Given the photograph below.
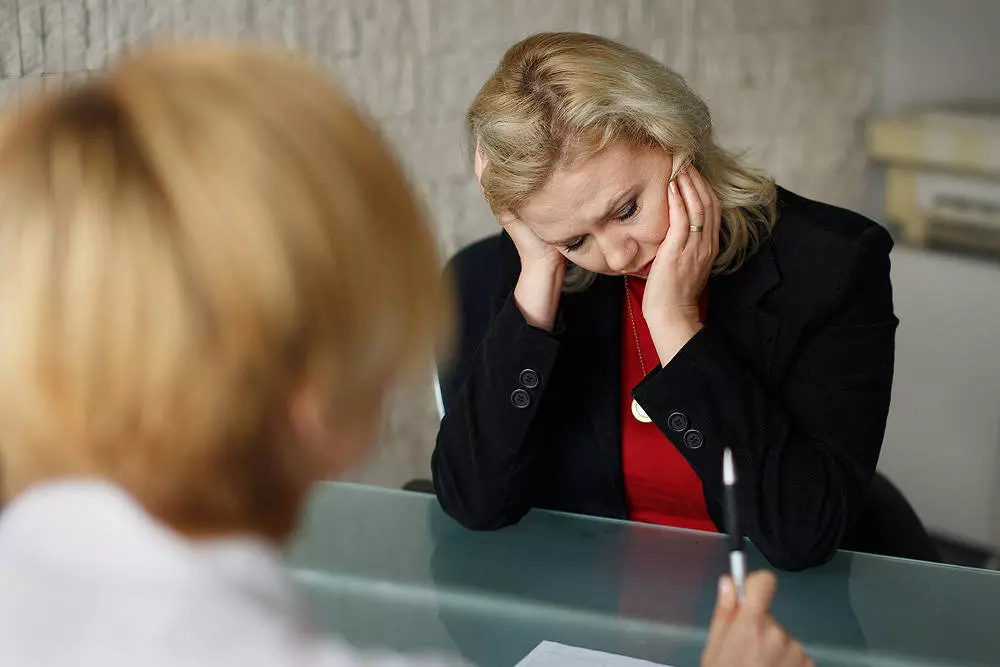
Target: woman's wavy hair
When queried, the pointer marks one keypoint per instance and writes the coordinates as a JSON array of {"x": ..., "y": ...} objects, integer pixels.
[{"x": 560, "y": 97}]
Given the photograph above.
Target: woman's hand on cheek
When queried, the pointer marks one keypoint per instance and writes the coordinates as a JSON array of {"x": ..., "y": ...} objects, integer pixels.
[
  {"x": 542, "y": 271},
  {"x": 542, "y": 266},
  {"x": 683, "y": 264}
]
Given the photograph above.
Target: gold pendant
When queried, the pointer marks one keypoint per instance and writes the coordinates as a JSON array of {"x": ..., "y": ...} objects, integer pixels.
[{"x": 639, "y": 414}]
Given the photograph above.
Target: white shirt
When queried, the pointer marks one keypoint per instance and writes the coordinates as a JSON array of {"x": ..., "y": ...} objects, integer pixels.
[{"x": 87, "y": 578}]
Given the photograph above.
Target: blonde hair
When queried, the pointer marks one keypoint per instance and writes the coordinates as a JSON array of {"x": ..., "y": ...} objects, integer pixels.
[
  {"x": 560, "y": 97},
  {"x": 185, "y": 242}
]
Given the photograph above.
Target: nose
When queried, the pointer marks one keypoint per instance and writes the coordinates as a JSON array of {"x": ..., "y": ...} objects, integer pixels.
[{"x": 619, "y": 251}]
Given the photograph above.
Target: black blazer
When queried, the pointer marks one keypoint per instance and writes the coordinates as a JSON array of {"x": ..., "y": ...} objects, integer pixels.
[{"x": 793, "y": 371}]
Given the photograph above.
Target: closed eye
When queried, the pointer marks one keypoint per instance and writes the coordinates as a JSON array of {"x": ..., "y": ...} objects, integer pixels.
[
  {"x": 629, "y": 211},
  {"x": 623, "y": 215}
]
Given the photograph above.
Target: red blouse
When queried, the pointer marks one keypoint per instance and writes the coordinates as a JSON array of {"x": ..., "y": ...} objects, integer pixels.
[{"x": 660, "y": 485}]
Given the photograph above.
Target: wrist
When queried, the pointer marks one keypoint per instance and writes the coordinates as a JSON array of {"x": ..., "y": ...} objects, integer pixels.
[
  {"x": 537, "y": 295},
  {"x": 670, "y": 333},
  {"x": 672, "y": 316}
]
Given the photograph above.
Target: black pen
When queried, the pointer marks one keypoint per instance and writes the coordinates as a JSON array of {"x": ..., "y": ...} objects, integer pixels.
[{"x": 737, "y": 559}]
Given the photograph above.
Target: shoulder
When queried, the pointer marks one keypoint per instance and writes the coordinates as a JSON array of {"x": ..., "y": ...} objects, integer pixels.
[
  {"x": 819, "y": 245},
  {"x": 808, "y": 230},
  {"x": 817, "y": 258}
]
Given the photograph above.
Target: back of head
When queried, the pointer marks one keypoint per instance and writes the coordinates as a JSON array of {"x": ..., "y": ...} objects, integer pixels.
[{"x": 185, "y": 241}]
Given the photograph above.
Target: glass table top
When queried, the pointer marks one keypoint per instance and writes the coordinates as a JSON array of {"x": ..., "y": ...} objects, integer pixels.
[{"x": 388, "y": 569}]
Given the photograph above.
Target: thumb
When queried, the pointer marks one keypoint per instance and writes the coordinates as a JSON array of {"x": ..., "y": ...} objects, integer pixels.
[
  {"x": 759, "y": 592},
  {"x": 725, "y": 609},
  {"x": 726, "y": 602}
]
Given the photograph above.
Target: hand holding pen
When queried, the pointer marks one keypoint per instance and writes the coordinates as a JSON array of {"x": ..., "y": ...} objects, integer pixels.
[{"x": 743, "y": 632}]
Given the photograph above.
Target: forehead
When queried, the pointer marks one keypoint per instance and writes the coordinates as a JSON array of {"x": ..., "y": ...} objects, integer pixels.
[{"x": 579, "y": 193}]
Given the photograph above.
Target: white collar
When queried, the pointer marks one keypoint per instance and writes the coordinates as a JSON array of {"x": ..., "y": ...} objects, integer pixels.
[{"x": 80, "y": 528}]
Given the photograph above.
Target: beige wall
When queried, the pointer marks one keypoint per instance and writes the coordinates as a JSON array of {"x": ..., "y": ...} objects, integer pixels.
[{"x": 789, "y": 81}]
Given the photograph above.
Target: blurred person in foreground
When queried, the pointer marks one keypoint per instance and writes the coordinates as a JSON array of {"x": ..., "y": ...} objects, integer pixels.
[{"x": 213, "y": 272}]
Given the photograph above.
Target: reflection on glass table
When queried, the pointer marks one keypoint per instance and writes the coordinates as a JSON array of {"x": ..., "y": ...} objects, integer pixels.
[{"x": 387, "y": 569}]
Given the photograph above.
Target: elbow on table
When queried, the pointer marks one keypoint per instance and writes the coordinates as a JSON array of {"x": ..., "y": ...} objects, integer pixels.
[
  {"x": 476, "y": 516},
  {"x": 806, "y": 530},
  {"x": 798, "y": 559},
  {"x": 801, "y": 549},
  {"x": 474, "y": 508}
]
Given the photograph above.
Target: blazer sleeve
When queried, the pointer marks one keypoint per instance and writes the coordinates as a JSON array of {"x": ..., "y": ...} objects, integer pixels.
[
  {"x": 482, "y": 460},
  {"x": 806, "y": 452}
]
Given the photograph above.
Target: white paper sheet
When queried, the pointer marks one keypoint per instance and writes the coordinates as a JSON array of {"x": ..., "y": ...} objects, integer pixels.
[{"x": 551, "y": 654}]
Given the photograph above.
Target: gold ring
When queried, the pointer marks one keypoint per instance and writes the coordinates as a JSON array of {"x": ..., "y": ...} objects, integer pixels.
[{"x": 696, "y": 228}]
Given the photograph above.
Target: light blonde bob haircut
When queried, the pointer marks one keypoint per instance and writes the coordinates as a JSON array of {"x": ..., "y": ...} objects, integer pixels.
[
  {"x": 557, "y": 98},
  {"x": 185, "y": 242}
]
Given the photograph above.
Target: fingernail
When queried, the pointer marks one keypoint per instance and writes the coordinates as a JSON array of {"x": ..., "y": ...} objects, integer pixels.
[
  {"x": 725, "y": 588},
  {"x": 673, "y": 186}
]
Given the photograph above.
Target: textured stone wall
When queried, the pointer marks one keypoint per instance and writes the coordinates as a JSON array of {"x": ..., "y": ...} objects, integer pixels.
[{"x": 789, "y": 82}]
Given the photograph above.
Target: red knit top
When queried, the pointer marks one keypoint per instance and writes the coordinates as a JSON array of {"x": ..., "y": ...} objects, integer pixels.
[{"x": 660, "y": 485}]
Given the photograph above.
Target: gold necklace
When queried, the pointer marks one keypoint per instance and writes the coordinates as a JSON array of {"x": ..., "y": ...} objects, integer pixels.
[{"x": 637, "y": 411}]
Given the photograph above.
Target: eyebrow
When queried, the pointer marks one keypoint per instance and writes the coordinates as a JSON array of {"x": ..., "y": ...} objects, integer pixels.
[{"x": 614, "y": 206}]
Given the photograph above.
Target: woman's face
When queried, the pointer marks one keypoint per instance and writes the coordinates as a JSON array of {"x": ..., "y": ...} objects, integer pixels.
[{"x": 607, "y": 214}]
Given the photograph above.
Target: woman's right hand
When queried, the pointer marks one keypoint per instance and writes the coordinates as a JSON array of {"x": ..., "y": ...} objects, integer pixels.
[
  {"x": 744, "y": 634},
  {"x": 542, "y": 268}
]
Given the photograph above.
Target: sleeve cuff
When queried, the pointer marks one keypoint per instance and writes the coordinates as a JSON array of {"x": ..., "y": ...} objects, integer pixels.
[
  {"x": 670, "y": 396},
  {"x": 527, "y": 357}
]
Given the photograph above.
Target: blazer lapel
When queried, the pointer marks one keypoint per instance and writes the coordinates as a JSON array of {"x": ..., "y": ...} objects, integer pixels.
[{"x": 734, "y": 305}]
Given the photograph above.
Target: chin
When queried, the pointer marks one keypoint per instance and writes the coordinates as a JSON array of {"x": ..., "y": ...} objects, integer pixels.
[
  {"x": 641, "y": 272},
  {"x": 607, "y": 272}
]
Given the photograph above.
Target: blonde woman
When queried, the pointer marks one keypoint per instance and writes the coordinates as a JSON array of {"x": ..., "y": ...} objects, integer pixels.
[{"x": 650, "y": 301}]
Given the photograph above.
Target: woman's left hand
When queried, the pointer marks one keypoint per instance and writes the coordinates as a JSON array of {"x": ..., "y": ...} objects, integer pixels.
[{"x": 683, "y": 263}]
